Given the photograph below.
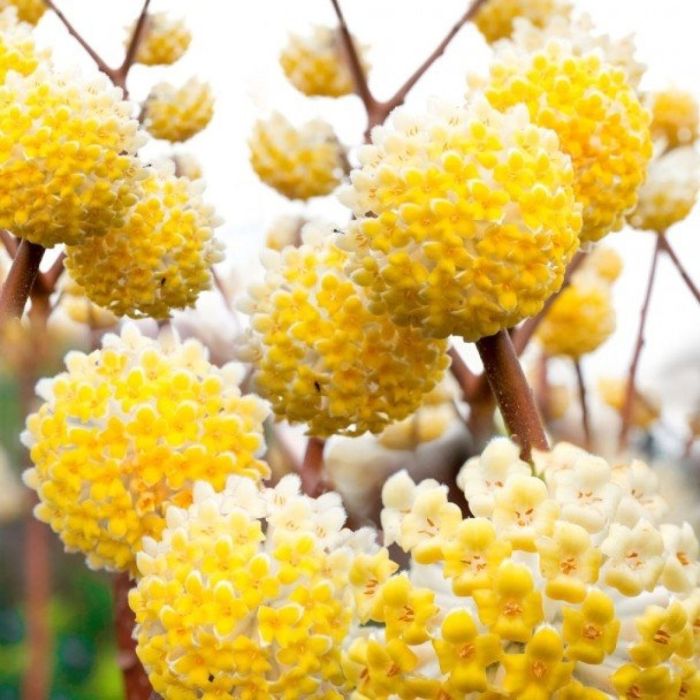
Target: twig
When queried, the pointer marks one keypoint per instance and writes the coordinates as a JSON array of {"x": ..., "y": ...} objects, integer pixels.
[
  {"x": 122, "y": 72},
  {"x": 9, "y": 241},
  {"x": 512, "y": 393},
  {"x": 587, "y": 437},
  {"x": 637, "y": 352},
  {"x": 311, "y": 471},
  {"x": 50, "y": 278},
  {"x": 20, "y": 280},
  {"x": 542, "y": 387},
  {"x": 679, "y": 266},
  {"x": 464, "y": 376}
]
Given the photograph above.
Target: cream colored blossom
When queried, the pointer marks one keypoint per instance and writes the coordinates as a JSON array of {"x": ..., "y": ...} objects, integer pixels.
[{"x": 163, "y": 40}]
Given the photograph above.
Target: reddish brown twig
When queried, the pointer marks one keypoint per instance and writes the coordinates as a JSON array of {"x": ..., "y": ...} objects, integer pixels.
[
  {"x": 311, "y": 471},
  {"x": 585, "y": 421},
  {"x": 512, "y": 393},
  {"x": 136, "y": 684},
  {"x": 20, "y": 280},
  {"x": 631, "y": 390},
  {"x": 679, "y": 266},
  {"x": 464, "y": 376},
  {"x": 9, "y": 241},
  {"x": 121, "y": 74}
]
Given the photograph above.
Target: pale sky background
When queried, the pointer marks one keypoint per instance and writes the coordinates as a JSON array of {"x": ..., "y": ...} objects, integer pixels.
[{"x": 236, "y": 46}]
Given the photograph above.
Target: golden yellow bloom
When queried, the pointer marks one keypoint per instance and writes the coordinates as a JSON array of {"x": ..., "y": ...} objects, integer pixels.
[
  {"x": 646, "y": 409},
  {"x": 317, "y": 64},
  {"x": 248, "y": 588},
  {"x": 178, "y": 114},
  {"x": 67, "y": 165},
  {"x": 18, "y": 52},
  {"x": 465, "y": 219},
  {"x": 596, "y": 114},
  {"x": 163, "y": 41},
  {"x": 495, "y": 17},
  {"x": 604, "y": 262},
  {"x": 298, "y": 163},
  {"x": 30, "y": 11},
  {"x": 160, "y": 259},
  {"x": 674, "y": 116},
  {"x": 125, "y": 431},
  {"x": 322, "y": 357}
]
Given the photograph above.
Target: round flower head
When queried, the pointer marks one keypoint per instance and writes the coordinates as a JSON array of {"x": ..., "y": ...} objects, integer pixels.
[
  {"x": 495, "y": 18},
  {"x": 164, "y": 40},
  {"x": 317, "y": 65},
  {"x": 674, "y": 116},
  {"x": 298, "y": 163},
  {"x": 645, "y": 409},
  {"x": 178, "y": 114},
  {"x": 465, "y": 219},
  {"x": 669, "y": 192},
  {"x": 30, "y": 11},
  {"x": 159, "y": 259},
  {"x": 594, "y": 110},
  {"x": 603, "y": 262},
  {"x": 125, "y": 432},
  {"x": 323, "y": 357},
  {"x": 67, "y": 165},
  {"x": 250, "y": 593},
  {"x": 18, "y": 52},
  {"x": 546, "y": 594}
]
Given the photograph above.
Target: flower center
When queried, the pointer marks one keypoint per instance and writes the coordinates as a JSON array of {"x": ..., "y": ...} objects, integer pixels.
[
  {"x": 591, "y": 631},
  {"x": 539, "y": 669},
  {"x": 512, "y": 608},
  {"x": 662, "y": 637},
  {"x": 568, "y": 565},
  {"x": 466, "y": 651}
]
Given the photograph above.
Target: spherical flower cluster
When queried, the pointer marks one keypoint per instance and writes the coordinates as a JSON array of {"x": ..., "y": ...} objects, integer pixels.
[
  {"x": 675, "y": 116},
  {"x": 67, "y": 165},
  {"x": 317, "y": 65},
  {"x": 495, "y": 18},
  {"x": 178, "y": 114},
  {"x": 594, "y": 110},
  {"x": 125, "y": 432},
  {"x": 564, "y": 584},
  {"x": 18, "y": 52},
  {"x": 30, "y": 11},
  {"x": 670, "y": 190},
  {"x": 465, "y": 218},
  {"x": 604, "y": 262},
  {"x": 163, "y": 40},
  {"x": 322, "y": 356},
  {"x": 298, "y": 163},
  {"x": 250, "y": 594},
  {"x": 160, "y": 258},
  {"x": 646, "y": 409}
]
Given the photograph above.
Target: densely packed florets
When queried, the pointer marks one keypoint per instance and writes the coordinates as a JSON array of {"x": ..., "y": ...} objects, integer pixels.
[
  {"x": 317, "y": 65},
  {"x": 597, "y": 115},
  {"x": 178, "y": 114},
  {"x": 163, "y": 40},
  {"x": 67, "y": 165},
  {"x": 675, "y": 116},
  {"x": 298, "y": 163},
  {"x": 250, "y": 594},
  {"x": 160, "y": 259},
  {"x": 495, "y": 18},
  {"x": 322, "y": 356},
  {"x": 465, "y": 219},
  {"x": 18, "y": 51},
  {"x": 125, "y": 432}
]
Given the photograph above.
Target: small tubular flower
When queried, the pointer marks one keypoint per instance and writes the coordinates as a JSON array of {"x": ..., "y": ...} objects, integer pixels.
[
  {"x": 596, "y": 114},
  {"x": 674, "y": 116},
  {"x": 317, "y": 65},
  {"x": 178, "y": 114},
  {"x": 163, "y": 40},
  {"x": 322, "y": 357},
  {"x": 299, "y": 163},
  {"x": 30, "y": 11},
  {"x": 495, "y": 18},
  {"x": 216, "y": 609},
  {"x": 465, "y": 219},
  {"x": 67, "y": 159},
  {"x": 125, "y": 432},
  {"x": 160, "y": 258}
]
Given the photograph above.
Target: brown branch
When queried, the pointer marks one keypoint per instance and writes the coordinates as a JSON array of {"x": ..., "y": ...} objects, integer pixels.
[
  {"x": 136, "y": 683},
  {"x": 311, "y": 471},
  {"x": 587, "y": 436},
  {"x": 679, "y": 266},
  {"x": 50, "y": 278},
  {"x": 20, "y": 280},
  {"x": 464, "y": 376},
  {"x": 9, "y": 241},
  {"x": 120, "y": 75},
  {"x": 631, "y": 391},
  {"x": 512, "y": 393}
]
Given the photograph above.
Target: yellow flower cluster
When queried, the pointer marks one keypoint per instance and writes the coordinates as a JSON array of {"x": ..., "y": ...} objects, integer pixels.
[
  {"x": 563, "y": 585},
  {"x": 323, "y": 357},
  {"x": 674, "y": 116},
  {"x": 317, "y": 65},
  {"x": 298, "y": 163},
  {"x": 159, "y": 259},
  {"x": 645, "y": 409},
  {"x": 178, "y": 114},
  {"x": 18, "y": 52},
  {"x": 250, "y": 593},
  {"x": 125, "y": 432},
  {"x": 67, "y": 165},
  {"x": 30, "y": 11},
  {"x": 465, "y": 219},
  {"x": 604, "y": 262},
  {"x": 595, "y": 112},
  {"x": 582, "y": 317},
  {"x": 164, "y": 40},
  {"x": 495, "y": 17}
]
